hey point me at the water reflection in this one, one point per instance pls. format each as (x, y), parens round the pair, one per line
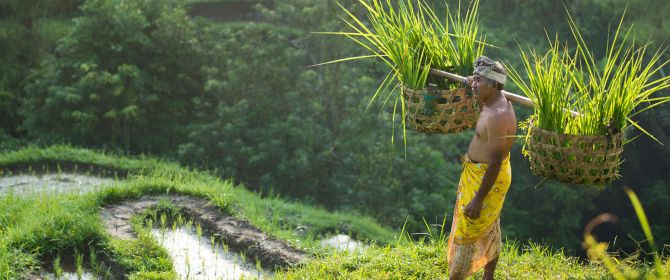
(194, 256)
(52, 184)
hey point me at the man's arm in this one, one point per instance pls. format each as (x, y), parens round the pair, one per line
(496, 130)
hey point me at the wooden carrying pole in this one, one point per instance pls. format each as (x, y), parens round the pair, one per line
(525, 101)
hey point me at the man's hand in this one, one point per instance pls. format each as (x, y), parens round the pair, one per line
(473, 209)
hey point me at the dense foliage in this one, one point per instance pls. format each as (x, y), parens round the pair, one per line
(239, 98)
(113, 88)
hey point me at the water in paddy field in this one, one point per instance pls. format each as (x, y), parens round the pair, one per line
(52, 184)
(194, 257)
(70, 276)
(343, 242)
(69, 273)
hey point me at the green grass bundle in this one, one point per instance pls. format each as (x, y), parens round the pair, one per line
(454, 45)
(585, 148)
(623, 88)
(410, 38)
(550, 86)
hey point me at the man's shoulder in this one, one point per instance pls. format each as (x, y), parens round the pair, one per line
(501, 117)
(500, 114)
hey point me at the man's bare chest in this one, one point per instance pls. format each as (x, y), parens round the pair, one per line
(480, 128)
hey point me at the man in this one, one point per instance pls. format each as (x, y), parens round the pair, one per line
(475, 240)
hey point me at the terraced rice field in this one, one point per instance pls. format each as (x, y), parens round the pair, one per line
(103, 217)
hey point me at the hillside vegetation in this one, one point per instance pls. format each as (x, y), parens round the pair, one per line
(225, 88)
(36, 229)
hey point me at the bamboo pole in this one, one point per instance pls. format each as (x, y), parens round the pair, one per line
(522, 100)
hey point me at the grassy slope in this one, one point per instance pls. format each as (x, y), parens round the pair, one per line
(47, 225)
(417, 261)
(31, 228)
(39, 226)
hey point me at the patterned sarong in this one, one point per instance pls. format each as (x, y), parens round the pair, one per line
(475, 242)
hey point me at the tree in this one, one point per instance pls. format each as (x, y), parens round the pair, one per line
(132, 86)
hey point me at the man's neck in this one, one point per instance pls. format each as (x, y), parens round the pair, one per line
(493, 100)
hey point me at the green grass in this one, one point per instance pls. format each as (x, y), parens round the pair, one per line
(40, 228)
(428, 261)
(549, 85)
(455, 42)
(45, 158)
(624, 87)
(410, 39)
(142, 256)
(606, 94)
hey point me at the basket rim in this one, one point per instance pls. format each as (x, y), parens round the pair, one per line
(403, 87)
(533, 127)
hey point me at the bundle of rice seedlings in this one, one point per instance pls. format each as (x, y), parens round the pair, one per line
(409, 38)
(586, 148)
(454, 45)
(549, 85)
(610, 96)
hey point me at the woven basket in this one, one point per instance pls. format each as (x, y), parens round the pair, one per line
(440, 111)
(577, 159)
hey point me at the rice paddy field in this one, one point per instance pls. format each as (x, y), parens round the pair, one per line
(113, 217)
(69, 213)
(75, 213)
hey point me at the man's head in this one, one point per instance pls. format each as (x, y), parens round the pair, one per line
(489, 77)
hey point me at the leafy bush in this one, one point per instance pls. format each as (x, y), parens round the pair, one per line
(132, 86)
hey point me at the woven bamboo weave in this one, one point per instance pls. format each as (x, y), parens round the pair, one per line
(440, 111)
(577, 159)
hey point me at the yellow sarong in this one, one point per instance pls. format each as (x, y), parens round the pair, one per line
(475, 242)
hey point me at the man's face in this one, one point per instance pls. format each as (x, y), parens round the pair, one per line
(482, 87)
